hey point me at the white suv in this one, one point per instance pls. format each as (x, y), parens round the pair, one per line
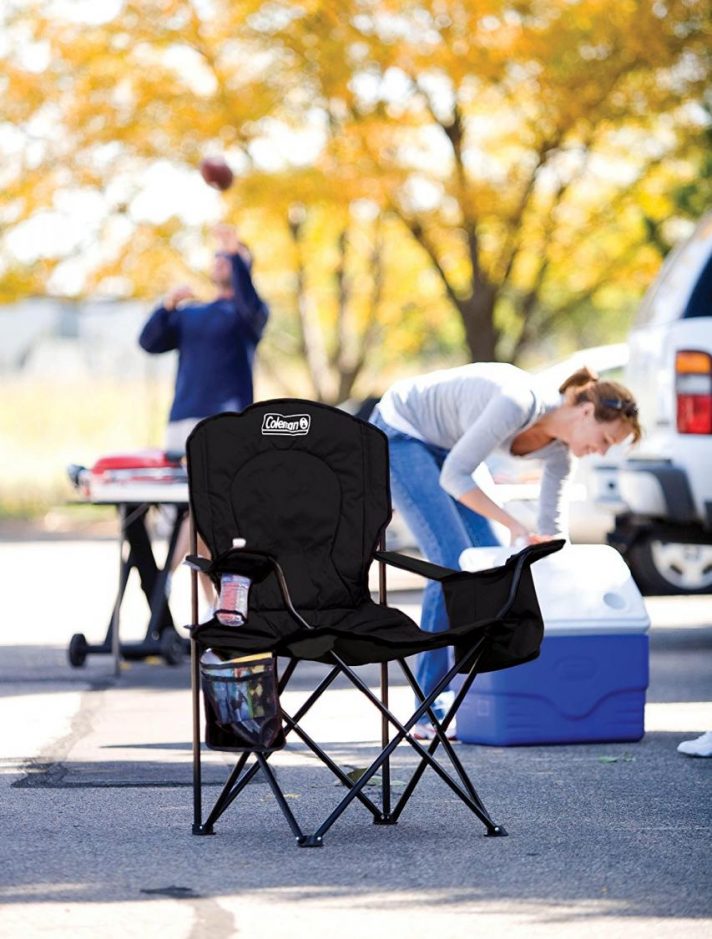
(666, 483)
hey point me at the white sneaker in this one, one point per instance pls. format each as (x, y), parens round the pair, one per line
(700, 746)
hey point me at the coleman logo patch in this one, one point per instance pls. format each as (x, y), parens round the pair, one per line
(292, 425)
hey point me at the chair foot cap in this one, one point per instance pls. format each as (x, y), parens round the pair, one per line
(202, 830)
(497, 831)
(384, 820)
(310, 841)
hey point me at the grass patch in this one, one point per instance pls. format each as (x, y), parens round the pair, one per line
(45, 426)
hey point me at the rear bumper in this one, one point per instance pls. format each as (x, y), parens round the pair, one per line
(657, 490)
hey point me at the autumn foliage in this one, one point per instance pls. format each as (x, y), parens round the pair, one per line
(438, 176)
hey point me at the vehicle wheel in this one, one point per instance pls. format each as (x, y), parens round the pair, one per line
(171, 647)
(77, 651)
(670, 567)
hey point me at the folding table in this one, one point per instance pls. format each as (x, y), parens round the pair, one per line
(134, 483)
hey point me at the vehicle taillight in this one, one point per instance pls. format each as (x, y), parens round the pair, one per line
(693, 389)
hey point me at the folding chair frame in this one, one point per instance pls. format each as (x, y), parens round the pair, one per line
(386, 814)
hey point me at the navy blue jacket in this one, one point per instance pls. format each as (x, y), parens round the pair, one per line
(216, 345)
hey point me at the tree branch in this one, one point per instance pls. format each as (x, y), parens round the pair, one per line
(311, 339)
(532, 296)
(371, 328)
(418, 232)
(513, 245)
(342, 301)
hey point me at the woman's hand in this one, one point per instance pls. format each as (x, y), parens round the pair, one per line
(520, 536)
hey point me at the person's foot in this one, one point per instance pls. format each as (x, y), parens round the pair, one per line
(427, 732)
(700, 746)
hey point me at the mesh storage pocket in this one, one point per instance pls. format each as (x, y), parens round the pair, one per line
(242, 703)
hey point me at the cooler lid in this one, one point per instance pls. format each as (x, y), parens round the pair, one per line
(582, 589)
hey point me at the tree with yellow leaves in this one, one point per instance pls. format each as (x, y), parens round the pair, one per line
(513, 139)
(510, 143)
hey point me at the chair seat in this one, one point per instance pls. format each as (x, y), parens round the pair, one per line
(369, 633)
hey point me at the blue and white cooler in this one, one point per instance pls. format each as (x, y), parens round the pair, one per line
(590, 680)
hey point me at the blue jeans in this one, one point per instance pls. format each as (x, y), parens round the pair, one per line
(443, 528)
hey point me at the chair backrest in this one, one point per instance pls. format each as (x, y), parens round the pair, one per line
(306, 483)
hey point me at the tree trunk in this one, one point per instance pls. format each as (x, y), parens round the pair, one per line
(477, 312)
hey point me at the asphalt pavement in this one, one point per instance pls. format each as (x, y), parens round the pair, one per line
(96, 800)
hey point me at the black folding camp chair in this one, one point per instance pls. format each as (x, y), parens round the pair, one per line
(307, 487)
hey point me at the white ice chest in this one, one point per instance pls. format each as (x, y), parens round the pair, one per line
(590, 680)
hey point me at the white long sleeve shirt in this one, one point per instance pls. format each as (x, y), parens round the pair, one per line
(474, 411)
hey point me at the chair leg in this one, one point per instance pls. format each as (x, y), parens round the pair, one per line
(195, 701)
(378, 814)
(279, 796)
(231, 790)
(403, 733)
(198, 827)
(441, 728)
(385, 818)
(235, 785)
(237, 781)
(375, 766)
(293, 722)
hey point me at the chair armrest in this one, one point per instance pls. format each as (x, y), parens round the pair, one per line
(256, 565)
(414, 565)
(253, 564)
(517, 563)
(197, 563)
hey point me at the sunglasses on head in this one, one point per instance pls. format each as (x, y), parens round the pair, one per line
(627, 408)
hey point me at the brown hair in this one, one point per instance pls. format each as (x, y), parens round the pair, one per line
(610, 399)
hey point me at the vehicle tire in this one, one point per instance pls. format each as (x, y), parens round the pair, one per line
(662, 566)
(171, 647)
(77, 651)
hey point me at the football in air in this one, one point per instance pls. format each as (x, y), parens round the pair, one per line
(216, 173)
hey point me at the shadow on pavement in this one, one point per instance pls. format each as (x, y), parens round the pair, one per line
(617, 830)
